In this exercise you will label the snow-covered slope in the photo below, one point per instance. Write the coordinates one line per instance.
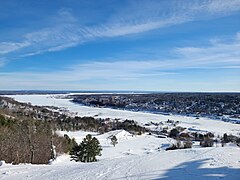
(135, 157)
(139, 157)
(128, 144)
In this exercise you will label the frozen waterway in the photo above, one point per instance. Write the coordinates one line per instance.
(216, 126)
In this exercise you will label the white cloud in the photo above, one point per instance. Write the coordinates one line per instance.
(218, 55)
(222, 6)
(7, 47)
(143, 16)
(66, 31)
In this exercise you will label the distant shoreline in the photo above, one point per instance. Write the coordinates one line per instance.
(26, 92)
(225, 119)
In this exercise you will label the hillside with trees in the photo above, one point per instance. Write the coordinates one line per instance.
(28, 133)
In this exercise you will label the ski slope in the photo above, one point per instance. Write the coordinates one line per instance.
(135, 157)
(138, 157)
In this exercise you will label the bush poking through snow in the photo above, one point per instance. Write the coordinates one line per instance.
(174, 133)
(87, 150)
(230, 138)
(180, 145)
(207, 142)
(114, 140)
(187, 144)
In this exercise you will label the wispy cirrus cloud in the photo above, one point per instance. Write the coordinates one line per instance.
(221, 6)
(144, 16)
(66, 30)
(7, 47)
(221, 54)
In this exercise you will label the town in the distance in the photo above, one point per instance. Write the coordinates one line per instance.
(65, 128)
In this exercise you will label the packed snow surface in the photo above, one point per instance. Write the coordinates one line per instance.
(135, 157)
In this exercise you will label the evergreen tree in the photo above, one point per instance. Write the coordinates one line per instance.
(174, 133)
(114, 140)
(87, 150)
(225, 138)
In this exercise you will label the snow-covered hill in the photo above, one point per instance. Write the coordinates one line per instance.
(136, 157)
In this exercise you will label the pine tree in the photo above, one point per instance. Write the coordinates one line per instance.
(114, 140)
(87, 150)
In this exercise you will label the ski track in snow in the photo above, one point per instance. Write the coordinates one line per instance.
(134, 157)
(202, 163)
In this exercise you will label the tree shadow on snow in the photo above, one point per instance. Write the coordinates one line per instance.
(193, 170)
(190, 171)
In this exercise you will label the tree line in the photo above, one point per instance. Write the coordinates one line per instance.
(30, 141)
(27, 133)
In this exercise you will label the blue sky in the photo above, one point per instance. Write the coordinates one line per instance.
(160, 45)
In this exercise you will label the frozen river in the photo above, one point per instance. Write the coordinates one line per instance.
(216, 126)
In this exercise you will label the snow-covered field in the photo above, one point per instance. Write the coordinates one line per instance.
(135, 157)
(203, 124)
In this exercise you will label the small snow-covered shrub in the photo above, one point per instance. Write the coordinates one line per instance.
(114, 140)
(180, 145)
(238, 142)
(172, 147)
(180, 129)
(207, 142)
(187, 144)
(185, 136)
(174, 133)
(230, 138)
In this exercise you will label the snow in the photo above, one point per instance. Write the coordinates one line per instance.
(135, 156)
(202, 124)
(2, 163)
(138, 157)
(127, 143)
